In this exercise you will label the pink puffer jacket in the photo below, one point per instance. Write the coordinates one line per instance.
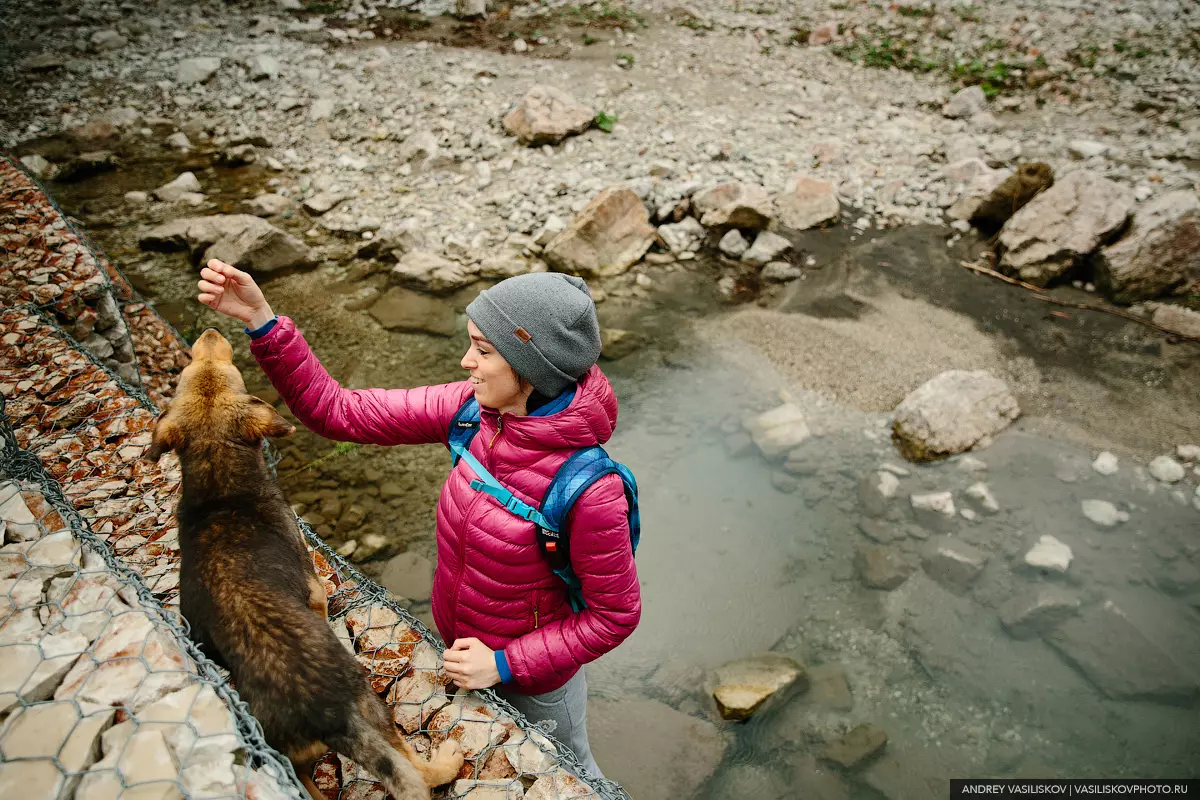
(491, 580)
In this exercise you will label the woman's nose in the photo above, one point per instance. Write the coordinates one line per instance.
(467, 362)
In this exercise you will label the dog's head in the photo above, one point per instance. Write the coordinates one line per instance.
(211, 408)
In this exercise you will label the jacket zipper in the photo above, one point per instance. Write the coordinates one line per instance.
(499, 430)
(533, 601)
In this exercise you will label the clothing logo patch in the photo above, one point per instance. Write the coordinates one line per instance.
(523, 335)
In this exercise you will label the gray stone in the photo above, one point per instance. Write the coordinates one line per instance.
(983, 495)
(781, 272)
(408, 575)
(243, 240)
(734, 205)
(546, 115)
(807, 204)
(431, 273)
(1062, 226)
(965, 103)
(1082, 149)
(268, 205)
(1034, 614)
(683, 237)
(196, 70)
(406, 310)
(38, 167)
(179, 141)
(263, 68)
(767, 247)
(617, 344)
(323, 202)
(322, 108)
(934, 503)
(881, 567)
(1111, 651)
(1166, 469)
(173, 191)
(875, 490)
(778, 431)
(420, 146)
(45, 62)
(745, 686)
(1177, 319)
(470, 9)
(978, 193)
(37, 736)
(1105, 464)
(1103, 513)
(829, 689)
(107, 40)
(855, 748)
(952, 413)
(608, 237)
(733, 244)
(238, 155)
(1159, 254)
(1049, 554)
(953, 563)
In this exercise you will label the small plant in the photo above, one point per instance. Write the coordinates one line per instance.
(765, 50)
(605, 121)
(965, 14)
(588, 39)
(625, 60)
(915, 11)
(799, 37)
(340, 449)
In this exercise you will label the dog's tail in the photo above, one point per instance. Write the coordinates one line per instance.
(376, 744)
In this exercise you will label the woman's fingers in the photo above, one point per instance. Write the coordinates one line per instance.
(231, 272)
(210, 288)
(208, 299)
(212, 275)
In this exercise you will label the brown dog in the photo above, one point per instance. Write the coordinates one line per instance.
(249, 591)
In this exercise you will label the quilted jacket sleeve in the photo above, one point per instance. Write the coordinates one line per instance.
(366, 416)
(602, 557)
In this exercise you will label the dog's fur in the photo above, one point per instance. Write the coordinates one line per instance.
(249, 591)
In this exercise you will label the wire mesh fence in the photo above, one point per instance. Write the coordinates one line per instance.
(75, 431)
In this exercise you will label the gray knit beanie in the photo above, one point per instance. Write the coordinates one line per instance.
(544, 324)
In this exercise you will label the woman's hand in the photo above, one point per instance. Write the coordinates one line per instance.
(471, 664)
(232, 292)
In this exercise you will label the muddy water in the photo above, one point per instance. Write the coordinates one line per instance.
(736, 560)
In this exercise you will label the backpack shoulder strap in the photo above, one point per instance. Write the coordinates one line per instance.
(463, 427)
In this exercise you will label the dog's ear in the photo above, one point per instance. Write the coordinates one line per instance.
(166, 437)
(260, 420)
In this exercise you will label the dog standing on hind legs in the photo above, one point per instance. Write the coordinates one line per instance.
(249, 591)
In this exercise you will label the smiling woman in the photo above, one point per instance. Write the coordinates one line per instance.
(521, 608)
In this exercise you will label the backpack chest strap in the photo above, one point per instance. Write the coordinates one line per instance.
(486, 483)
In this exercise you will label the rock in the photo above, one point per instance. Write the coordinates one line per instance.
(45, 62)
(912, 774)
(1166, 469)
(881, 567)
(781, 272)
(36, 734)
(1159, 254)
(196, 70)
(553, 226)
(778, 431)
(856, 747)
(953, 563)
(238, 156)
(217, 778)
(951, 413)
(1103, 513)
(323, 202)
(992, 197)
(171, 192)
(408, 575)
(30, 672)
(484, 789)
(86, 164)
(807, 204)
(38, 167)
(1109, 649)
(608, 237)
(1105, 464)
(1028, 616)
(268, 205)
(1184, 452)
(243, 240)
(965, 103)
(519, 46)
(981, 493)
(935, 502)
(263, 67)
(683, 237)
(875, 490)
(321, 108)
(733, 244)
(746, 685)
(1082, 149)
(179, 141)
(420, 146)
(107, 40)
(1049, 554)
(547, 115)
(144, 761)
(615, 343)
(195, 722)
(1177, 319)
(431, 273)
(1062, 226)
(767, 247)
(733, 205)
(470, 9)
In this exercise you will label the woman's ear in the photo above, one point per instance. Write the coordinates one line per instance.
(166, 437)
(260, 420)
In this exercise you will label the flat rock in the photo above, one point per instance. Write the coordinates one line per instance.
(1103, 513)
(778, 431)
(268, 205)
(430, 272)
(856, 747)
(323, 202)
(408, 575)
(243, 240)
(33, 735)
(980, 493)
(912, 775)
(1030, 615)
(1049, 554)
(38, 167)
(744, 686)
(780, 272)
(608, 237)
(881, 567)
(734, 205)
(767, 247)
(1062, 226)
(934, 502)
(547, 115)
(829, 689)
(953, 563)
(951, 413)
(807, 204)
(1083, 149)
(173, 191)
(144, 761)
(107, 40)
(1177, 319)
(1159, 254)
(965, 103)
(1110, 650)
(196, 70)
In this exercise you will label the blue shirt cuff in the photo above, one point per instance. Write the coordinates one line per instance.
(506, 675)
(258, 333)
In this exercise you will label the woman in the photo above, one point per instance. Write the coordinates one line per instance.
(534, 341)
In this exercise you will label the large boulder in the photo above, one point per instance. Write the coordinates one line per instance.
(952, 413)
(405, 310)
(807, 204)
(243, 240)
(1011, 192)
(1062, 226)
(547, 115)
(606, 238)
(734, 205)
(429, 272)
(1160, 253)
(745, 686)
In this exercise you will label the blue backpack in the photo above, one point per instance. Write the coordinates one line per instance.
(576, 474)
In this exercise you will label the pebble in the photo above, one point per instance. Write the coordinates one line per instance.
(939, 502)
(1166, 470)
(1050, 554)
(1103, 513)
(1105, 464)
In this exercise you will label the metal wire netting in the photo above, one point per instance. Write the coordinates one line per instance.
(85, 429)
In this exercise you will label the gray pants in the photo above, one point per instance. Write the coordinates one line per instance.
(566, 709)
